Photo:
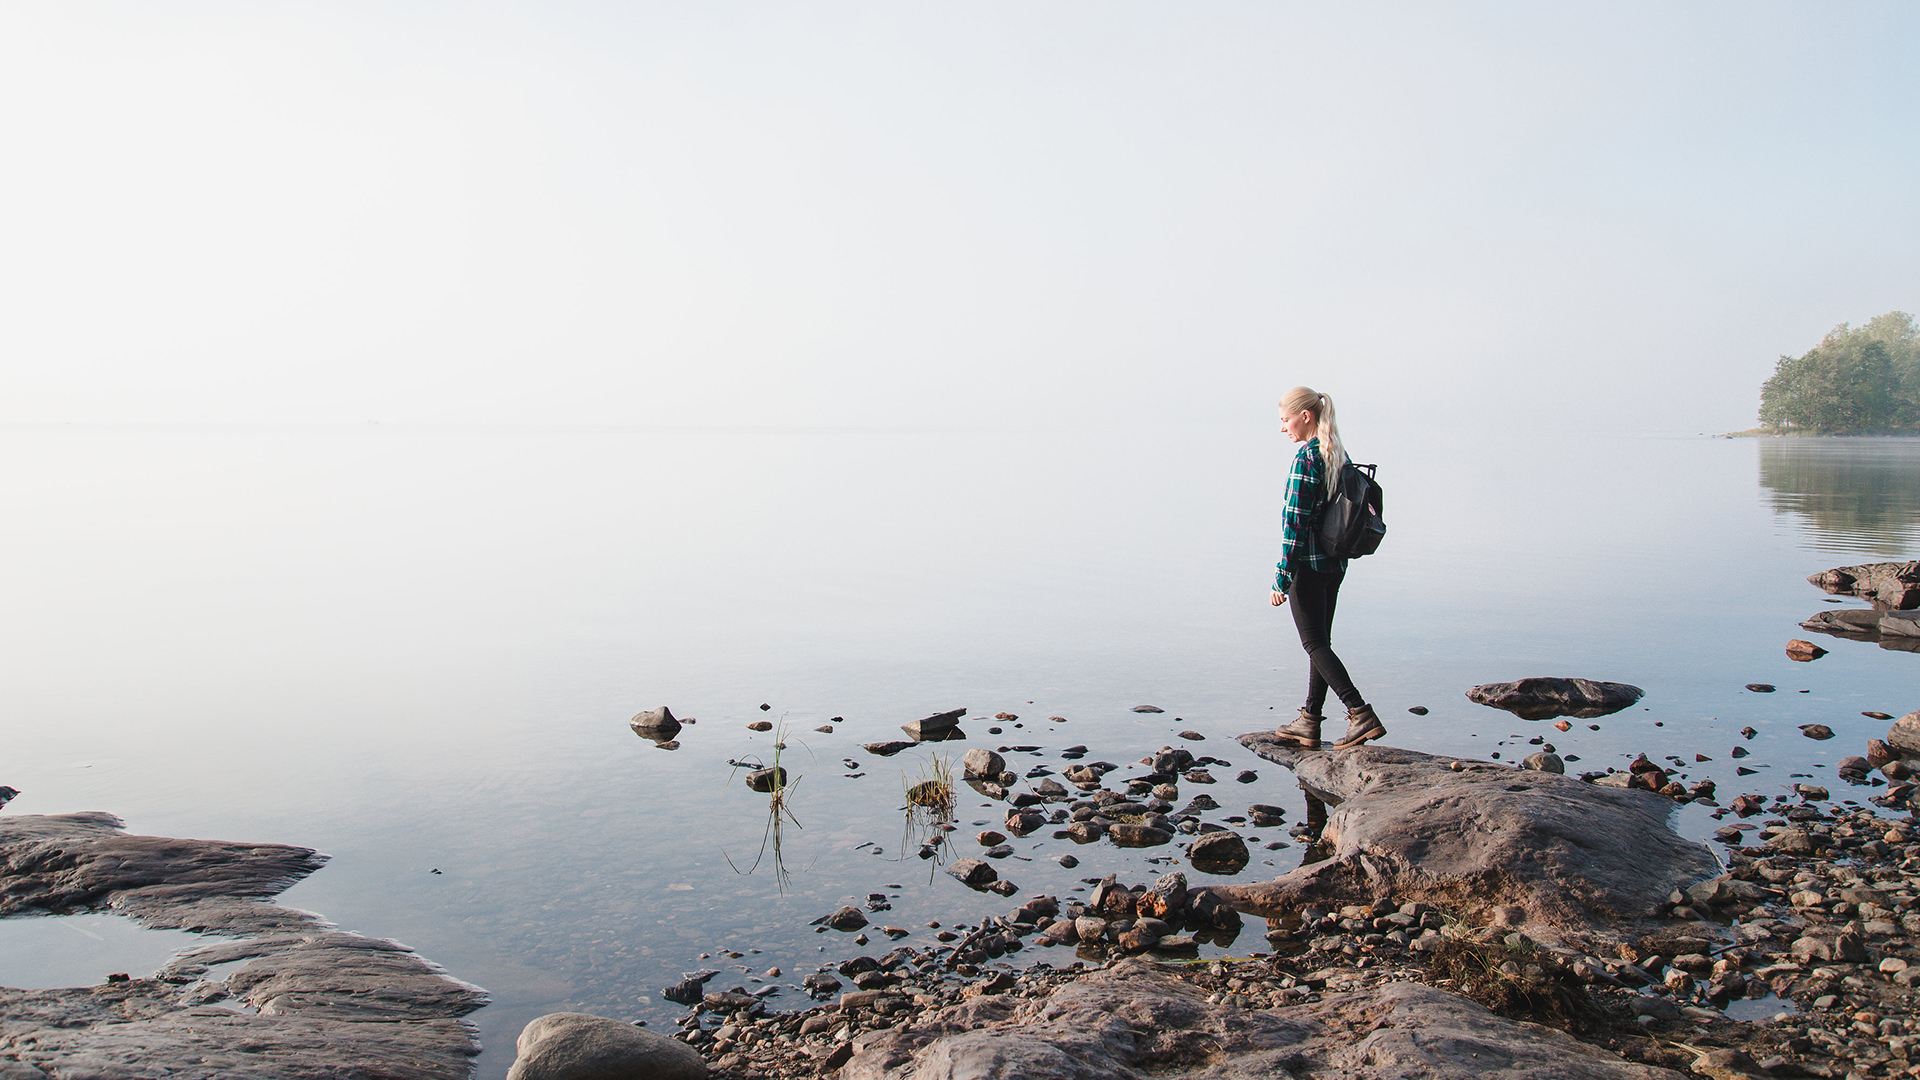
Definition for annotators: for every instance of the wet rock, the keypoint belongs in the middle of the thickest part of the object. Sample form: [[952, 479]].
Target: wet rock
[[1879, 753], [847, 918], [767, 780], [1165, 898], [885, 749], [305, 1002], [1904, 735], [1168, 760], [576, 1046], [1148, 708], [1761, 688], [973, 873], [990, 839], [1545, 698], [1128, 1020], [1568, 854], [1198, 776], [1090, 929], [655, 724], [1265, 816], [1020, 822], [1192, 736], [935, 727], [1247, 776], [1855, 623], [1892, 584], [1804, 651], [1417, 710], [760, 725], [982, 764], [1820, 732], [1544, 762], [689, 990], [1219, 853], [1128, 834]]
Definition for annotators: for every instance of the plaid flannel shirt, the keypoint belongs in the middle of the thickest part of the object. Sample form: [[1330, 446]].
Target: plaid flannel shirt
[[1306, 490]]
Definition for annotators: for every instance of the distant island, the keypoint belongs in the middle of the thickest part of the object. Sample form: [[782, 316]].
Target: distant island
[[1858, 381]]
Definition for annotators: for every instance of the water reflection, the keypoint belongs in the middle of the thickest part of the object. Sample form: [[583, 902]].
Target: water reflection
[[1852, 496]]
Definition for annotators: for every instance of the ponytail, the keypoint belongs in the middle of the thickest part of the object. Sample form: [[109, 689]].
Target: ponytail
[[1332, 451]]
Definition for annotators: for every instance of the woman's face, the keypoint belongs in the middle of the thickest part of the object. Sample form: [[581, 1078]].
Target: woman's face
[[1298, 425]]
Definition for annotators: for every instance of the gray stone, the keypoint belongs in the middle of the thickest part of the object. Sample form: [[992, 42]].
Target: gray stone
[[845, 918], [1128, 834], [1544, 762], [1572, 856], [767, 780], [1904, 735], [312, 1001], [973, 873], [1545, 698], [935, 727], [982, 764], [576, 1046], [655, 724], [1130, 1021], [1892, 584], [1218, 853]]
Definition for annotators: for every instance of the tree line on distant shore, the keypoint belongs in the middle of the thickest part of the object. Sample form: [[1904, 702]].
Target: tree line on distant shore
[[1858, 379]]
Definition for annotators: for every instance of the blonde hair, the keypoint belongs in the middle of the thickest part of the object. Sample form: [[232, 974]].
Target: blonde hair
[[1332, 450]]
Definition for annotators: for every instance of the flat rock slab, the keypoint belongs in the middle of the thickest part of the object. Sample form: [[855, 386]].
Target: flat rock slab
[[1892, 584], [284, 995], [1547, 697], [1131, 1021], [1568, 860]]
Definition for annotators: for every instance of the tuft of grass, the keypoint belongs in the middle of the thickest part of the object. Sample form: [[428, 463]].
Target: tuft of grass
[[1519, 983], [934, 790], [779, 813]]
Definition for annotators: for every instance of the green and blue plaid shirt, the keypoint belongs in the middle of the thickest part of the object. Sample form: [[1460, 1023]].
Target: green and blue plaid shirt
[[1306, 490]]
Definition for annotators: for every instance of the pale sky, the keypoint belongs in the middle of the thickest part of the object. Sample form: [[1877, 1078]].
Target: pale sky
[[1590, 216]]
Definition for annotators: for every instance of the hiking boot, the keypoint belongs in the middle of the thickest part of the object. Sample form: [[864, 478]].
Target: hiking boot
[[1362, 726], [1303, 733]]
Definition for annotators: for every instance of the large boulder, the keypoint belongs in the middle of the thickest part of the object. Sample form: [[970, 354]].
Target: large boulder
[[1859, 623], [576, 1046], [1582, 861], [1131, 1021], [1546, 698], [1893, 584], [1904, 735]]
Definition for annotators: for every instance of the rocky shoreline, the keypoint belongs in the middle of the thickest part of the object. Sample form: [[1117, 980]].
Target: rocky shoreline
[[1814, 935], [278, 994]]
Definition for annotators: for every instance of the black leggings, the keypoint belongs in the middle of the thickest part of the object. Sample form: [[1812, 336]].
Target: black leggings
[[1313, 596]]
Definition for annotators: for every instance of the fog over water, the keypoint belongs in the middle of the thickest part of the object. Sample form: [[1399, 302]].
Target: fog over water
[[1588, 216]]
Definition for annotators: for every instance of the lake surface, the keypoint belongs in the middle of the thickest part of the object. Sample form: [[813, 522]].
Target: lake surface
[[417, 651]]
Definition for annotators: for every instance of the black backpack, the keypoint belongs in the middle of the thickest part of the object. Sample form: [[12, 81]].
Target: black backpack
[[1349, 523]]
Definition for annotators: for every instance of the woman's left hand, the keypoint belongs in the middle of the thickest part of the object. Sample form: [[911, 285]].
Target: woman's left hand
[[1279, 598]]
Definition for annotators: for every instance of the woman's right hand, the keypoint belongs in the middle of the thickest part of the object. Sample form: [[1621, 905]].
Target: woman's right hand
[[1279, 598]]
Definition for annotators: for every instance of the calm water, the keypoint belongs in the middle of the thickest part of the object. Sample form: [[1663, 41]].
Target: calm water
[[416, 650]]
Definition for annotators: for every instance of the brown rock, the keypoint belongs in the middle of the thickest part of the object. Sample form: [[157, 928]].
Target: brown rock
[[1405, 824], [1804, 651]]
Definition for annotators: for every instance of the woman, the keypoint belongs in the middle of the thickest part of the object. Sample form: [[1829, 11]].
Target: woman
[[1311, 577]]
